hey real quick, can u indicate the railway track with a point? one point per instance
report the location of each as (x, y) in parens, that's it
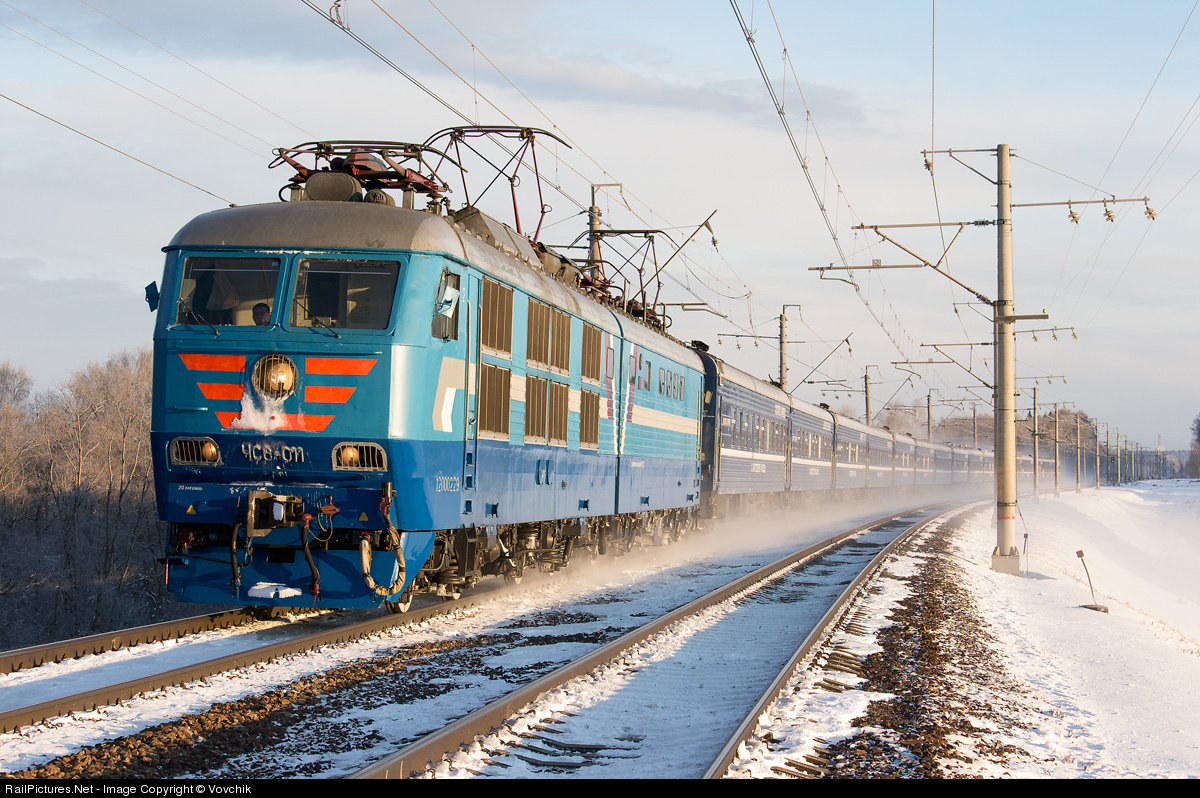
(568, 720)
(32, 656)
(15, 717)
(420, 679)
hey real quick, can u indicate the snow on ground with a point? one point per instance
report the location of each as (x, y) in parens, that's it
(1124, 687)
(1086, 694)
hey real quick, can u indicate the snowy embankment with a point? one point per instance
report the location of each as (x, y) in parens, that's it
(1123, 688)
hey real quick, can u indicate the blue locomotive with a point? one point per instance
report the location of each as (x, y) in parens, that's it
(356, 401)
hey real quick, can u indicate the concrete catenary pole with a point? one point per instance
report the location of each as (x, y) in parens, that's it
(929, 416)
(1119, 457)
(1056, 459)
(1078, 457)
(783, 351)
(1005, 557)
(1037, 435)
(867, 393)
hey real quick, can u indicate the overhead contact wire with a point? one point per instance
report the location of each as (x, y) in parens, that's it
(190, 65)
(114, 149)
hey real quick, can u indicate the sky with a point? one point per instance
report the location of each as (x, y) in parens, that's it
(1095, 99)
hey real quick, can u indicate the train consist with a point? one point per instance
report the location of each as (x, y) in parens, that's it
(356, 401)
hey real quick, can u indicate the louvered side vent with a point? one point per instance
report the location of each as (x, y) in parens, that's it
(358, 456)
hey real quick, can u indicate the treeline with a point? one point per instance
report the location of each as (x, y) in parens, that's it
(79, 533)
(1192, 469)
(967, 430)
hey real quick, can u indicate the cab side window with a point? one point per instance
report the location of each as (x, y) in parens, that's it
(445, 309)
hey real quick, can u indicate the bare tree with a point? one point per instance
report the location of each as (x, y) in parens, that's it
(79, 525)
(1192, 469)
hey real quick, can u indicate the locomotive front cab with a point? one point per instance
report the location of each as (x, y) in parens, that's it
(275, 468)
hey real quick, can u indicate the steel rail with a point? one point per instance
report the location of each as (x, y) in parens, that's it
(819, 633)
(434, 746)
(87, 700)
(32, 656)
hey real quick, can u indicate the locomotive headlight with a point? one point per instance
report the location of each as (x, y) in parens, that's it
(348, 456)
(281, 378)
(195, 452)
(359, 456)
(275, 376)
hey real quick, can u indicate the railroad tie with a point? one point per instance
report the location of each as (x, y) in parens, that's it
(811, 770)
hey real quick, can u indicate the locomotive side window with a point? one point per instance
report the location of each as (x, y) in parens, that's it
(495, 324)
(345, 294)
(225, 291)
(445, 311)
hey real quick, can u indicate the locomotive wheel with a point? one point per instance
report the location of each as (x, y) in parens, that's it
(657, 534)
(401, 606)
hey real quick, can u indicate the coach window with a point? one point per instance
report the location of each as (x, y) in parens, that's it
(224, 291)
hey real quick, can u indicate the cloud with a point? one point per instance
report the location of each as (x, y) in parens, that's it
(606, 85)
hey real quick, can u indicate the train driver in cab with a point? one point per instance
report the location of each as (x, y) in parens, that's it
(262, 314)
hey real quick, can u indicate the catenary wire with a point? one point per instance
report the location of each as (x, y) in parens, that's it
(116, 150)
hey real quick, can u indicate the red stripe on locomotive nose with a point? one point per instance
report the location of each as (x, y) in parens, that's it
(194, 362)
(327, 393)
(339, 365)
(282, 421)
(219, 390)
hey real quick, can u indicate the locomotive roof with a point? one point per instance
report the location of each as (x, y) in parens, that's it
(359, 225)
(321, 225)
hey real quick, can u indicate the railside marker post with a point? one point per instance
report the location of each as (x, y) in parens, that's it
(1093, 605)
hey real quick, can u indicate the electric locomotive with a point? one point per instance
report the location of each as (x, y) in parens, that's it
(357, 401)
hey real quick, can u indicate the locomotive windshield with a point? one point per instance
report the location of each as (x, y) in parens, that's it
(345, 294)
(227, 291)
